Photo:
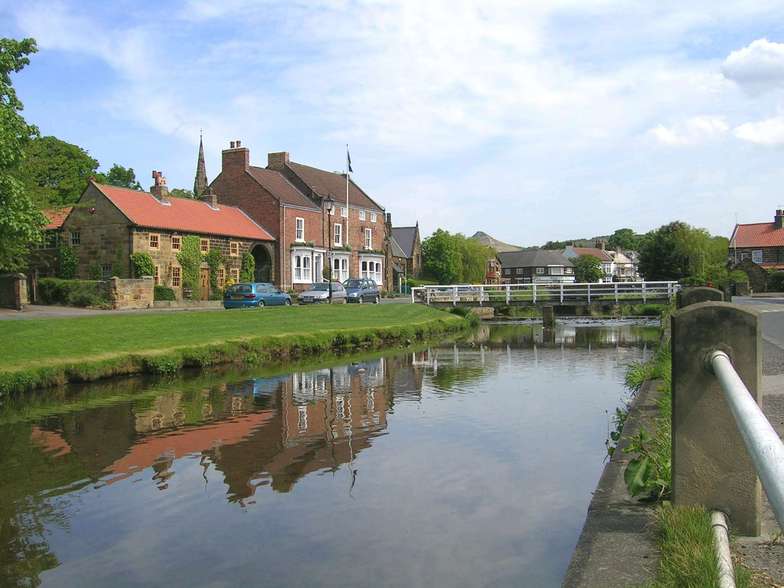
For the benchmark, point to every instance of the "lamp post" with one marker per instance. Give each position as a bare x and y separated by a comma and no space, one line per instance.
330,206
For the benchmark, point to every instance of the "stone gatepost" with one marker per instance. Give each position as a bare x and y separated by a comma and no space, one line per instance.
710,465
690,296
548,317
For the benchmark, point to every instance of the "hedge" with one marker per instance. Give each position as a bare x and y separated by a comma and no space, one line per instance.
163,293
72,292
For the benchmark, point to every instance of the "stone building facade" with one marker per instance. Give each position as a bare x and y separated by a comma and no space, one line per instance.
109,224
761,243
410,243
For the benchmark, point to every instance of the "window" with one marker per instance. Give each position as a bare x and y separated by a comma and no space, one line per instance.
306,268
744,255
157,276
154,240
756,256
176,242
507,272
302,268
76,237
340,269
518,270
373,217
368,238
299,231
338,234
556,271
569,270
361,215
51,240
332,211
371,269
106,271
235,274
175,276
344,212
378,274
234,249
204,245
221,277
540,271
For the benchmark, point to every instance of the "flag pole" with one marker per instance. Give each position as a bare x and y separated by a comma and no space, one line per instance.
348,210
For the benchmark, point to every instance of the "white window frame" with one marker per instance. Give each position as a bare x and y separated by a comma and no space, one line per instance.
756,255
337,234
368,238
339,268
157,241
301,266
221,279
540,271
234,248
178,240
299,229
204,250
178,270
372,268
361,214
373,217
344,212
235,274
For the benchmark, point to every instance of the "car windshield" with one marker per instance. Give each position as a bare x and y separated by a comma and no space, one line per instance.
320,287
353,284
240,289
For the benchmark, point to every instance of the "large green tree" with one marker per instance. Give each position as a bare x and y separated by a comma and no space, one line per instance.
678,250
441,257
120,176
20,220
625,239
54,173
587,268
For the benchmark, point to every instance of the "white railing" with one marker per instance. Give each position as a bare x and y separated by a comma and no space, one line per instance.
543,293
762,442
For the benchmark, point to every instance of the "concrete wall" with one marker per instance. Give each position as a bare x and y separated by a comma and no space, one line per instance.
136,293
13,291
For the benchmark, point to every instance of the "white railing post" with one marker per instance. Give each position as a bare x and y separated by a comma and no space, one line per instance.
481,294
643,292
589,293
616,292
507,293
534,294
561,292
427,295
454,296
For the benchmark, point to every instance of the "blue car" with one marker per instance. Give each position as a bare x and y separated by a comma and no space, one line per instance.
255,295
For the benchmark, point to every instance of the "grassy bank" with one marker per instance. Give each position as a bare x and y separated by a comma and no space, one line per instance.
48,352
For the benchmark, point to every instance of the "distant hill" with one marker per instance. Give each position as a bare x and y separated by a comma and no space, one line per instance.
489,241
576,242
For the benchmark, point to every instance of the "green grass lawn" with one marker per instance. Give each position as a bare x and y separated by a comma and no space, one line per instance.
42,342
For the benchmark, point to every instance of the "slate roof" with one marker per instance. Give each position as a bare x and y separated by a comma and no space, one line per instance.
56,216
599,254
397,250
276,184
405,237
533,258
183,214
325,183
757,235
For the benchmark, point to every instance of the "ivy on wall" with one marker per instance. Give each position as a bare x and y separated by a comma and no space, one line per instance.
214,261
142,264
248,269
66,262
190,258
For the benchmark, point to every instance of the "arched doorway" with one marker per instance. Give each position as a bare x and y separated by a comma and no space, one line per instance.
261,255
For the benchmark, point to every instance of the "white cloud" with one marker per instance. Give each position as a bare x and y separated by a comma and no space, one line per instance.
693,131
769,132
756,67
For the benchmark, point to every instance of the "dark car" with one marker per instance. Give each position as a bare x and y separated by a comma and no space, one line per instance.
362,290
255,295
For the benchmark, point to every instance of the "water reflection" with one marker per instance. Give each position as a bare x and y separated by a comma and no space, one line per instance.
241,435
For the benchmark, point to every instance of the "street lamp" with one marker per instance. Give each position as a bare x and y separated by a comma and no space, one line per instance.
330,206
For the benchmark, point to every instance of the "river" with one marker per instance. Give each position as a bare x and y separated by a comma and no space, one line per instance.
467,464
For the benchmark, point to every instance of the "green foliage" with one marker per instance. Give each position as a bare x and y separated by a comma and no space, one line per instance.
55,173
452,258
214,260
677,250
94,271
248,268
181,193
163,293
189,259
776,282
119,176
624,239
67,262
142,264
72,292
20,221
587,268
556,245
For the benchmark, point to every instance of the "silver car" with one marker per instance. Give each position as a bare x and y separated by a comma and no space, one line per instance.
319,293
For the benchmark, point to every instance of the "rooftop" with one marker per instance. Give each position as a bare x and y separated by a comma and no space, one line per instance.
55,217
533,258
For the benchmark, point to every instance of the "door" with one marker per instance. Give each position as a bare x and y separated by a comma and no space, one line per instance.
205,284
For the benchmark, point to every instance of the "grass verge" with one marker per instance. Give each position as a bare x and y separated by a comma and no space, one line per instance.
47,352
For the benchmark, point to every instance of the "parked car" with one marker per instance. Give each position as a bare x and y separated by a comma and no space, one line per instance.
362,290
256,295
317,293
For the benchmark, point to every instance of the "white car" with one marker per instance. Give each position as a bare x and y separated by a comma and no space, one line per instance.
319,293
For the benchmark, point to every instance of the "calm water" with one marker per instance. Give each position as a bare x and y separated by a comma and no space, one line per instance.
460,465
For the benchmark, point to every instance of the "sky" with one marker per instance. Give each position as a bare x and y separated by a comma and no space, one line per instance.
528,120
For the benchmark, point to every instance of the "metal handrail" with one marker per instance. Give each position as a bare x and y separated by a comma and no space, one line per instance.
762,442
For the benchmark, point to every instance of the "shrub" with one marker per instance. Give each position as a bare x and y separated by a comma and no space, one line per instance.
163,293
66,262
142,264
248,269
94,271
72,292
190,258
776,282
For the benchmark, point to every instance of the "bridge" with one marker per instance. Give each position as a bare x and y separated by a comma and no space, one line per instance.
551,294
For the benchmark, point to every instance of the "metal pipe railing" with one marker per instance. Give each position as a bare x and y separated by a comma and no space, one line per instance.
762,442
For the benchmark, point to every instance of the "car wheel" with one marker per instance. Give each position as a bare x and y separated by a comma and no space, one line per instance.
260,304
288,302
359,300
377,299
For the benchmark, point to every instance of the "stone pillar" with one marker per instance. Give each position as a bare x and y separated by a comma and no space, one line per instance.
689,296
710,465
548,317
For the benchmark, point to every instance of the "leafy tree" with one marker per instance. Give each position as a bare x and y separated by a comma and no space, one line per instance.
67,262
678,250
181,193
588,268
441,257
120,176
556,244
54,172
624,239
20,220
142,264
473,259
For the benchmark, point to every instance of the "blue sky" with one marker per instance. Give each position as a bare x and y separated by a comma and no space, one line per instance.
528,120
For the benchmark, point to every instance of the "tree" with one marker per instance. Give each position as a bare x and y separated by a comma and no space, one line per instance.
120,176
678,250
181,193
556,244
20,220
441,257
624,239
54,173
588,268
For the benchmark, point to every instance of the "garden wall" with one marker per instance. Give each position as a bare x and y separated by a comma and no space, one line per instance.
132,293
13,291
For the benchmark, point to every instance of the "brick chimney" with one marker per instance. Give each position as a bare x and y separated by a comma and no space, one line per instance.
236,157
159,189
277,161
601,244
210,198
778,220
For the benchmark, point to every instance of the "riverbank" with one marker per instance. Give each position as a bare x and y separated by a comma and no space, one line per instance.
50,352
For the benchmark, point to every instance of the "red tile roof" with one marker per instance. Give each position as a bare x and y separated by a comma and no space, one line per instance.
325,183
757,235
183,214
599,254
56,216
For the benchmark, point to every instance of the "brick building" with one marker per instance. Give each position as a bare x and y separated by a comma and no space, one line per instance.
109,224
761,243
291,200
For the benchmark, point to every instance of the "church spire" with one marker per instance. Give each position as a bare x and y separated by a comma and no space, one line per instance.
200,184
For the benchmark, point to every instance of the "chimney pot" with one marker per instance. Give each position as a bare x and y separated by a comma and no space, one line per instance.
239,143
231,144
159,188
778,220
278,160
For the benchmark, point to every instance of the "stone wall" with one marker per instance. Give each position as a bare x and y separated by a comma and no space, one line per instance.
133,293
13,291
